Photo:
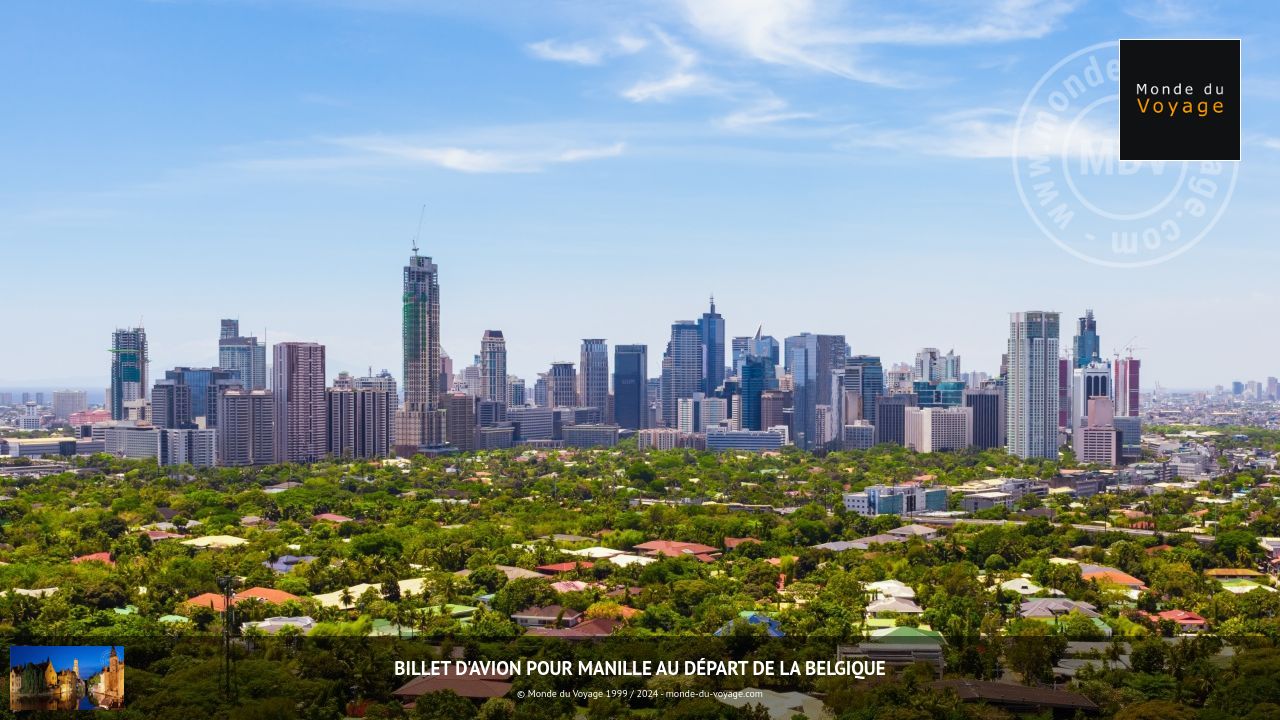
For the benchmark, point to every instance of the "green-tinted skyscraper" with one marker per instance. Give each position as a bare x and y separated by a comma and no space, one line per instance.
128,369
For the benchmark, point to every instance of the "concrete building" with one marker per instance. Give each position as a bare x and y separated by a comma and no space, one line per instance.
298,389
189,446
988,406
895,500
681,368
722,439
562,385
246,427
68,402
1097,440
1032,384
493,368
460,421
532,423
891,417
595,435
859,436
593,376
938,429
171,405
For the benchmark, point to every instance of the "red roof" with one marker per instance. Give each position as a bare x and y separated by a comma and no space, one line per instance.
564,567
211,600
270,595
1115,577
1181,617
102,557
600,627
332,517
468,686
733,542
671,548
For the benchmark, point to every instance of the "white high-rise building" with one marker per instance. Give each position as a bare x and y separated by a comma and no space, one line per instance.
1032,385
493,367
1088,382
937,429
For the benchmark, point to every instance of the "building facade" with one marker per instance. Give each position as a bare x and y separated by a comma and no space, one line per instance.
298,389
1032,385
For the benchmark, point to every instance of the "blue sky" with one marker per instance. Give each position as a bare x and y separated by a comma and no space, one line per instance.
93,658
589,170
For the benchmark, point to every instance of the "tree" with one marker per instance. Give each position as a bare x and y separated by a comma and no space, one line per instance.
443,705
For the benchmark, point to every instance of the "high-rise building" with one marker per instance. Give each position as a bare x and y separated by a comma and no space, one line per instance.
1065,367
630,386
417,423
928,368
128,369
711,338
774,407
246,427
811,359
171,405
681,368
869,378
562,381
1096,440
460,421
1087,382
891,418
938,429
1032,386
187,446
988,406
298,378
243,355
68,402
1086,347
1128,386
593,375
493,367
739,349
202,382
949,365
340,418
753,382
516,392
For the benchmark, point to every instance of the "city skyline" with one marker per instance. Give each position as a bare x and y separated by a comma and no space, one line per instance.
655,157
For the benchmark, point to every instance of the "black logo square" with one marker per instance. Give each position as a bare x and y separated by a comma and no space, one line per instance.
1179,99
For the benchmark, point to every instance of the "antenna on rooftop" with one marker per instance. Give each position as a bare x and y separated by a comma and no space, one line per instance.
418,234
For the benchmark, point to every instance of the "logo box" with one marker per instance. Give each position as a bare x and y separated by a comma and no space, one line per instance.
1180,100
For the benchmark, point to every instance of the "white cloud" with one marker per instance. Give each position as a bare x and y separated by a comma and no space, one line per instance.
767,111
470,160
989,133
587,53
829,37
681,79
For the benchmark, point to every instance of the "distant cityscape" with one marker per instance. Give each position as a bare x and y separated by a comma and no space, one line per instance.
745,393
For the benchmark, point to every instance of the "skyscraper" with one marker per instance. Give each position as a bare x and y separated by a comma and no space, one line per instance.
417,423
753,381
1090,381
1032,386
988,406
811,359
1085,348
128,369
711,338
593,375
1128,386
242,355
460,421
891,418
630,386
300,409
203,383
871,387
562,382
493,367
928,368
171,405
245,434
681,368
